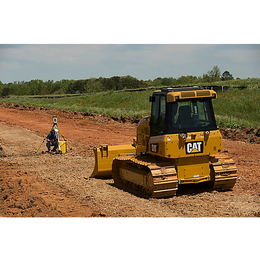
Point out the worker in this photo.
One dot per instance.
(52, 141)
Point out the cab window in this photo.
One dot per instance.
(192, 115)
(158, 115)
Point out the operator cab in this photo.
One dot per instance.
(182, 110)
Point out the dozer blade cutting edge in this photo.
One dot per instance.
(104, 156)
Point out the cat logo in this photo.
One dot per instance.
(194, 147)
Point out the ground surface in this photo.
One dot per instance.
(45, 185)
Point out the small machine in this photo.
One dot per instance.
(178, 144)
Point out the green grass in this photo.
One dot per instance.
(233, 109)
(236, 108)
(110, 103)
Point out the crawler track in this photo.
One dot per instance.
(225, 172)
(154, 177)
(158, 178)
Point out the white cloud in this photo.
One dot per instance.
(145, 61)
(52, 53)
(5, 66)
(151, 55)
(241, 54)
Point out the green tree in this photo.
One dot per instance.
(5, 91)
(215, 73)
(212, 75)
(55, 87)
(189, 79)
(157, 81)
(226, 76)
(76, 87)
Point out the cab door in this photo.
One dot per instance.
(158, 115)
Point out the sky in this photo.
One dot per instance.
(24, 62)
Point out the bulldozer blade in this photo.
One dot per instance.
(104, 157)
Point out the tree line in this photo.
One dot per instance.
(92, 85)
(213, 75)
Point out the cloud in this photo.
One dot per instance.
(144, 61)
(39, 53)
(96, 55)
(157, 55)
(241, 53)
(7, 65)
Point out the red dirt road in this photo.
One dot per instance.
(44, 185)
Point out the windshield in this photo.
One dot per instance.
(192, 115)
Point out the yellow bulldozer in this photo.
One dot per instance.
(178, 143)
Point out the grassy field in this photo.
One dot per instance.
(250, 82)
(110, 103)
(233, 108)
(236, 108)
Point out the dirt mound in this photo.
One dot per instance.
(68, 113)
(244, 134)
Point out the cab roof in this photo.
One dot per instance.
(174, 94)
